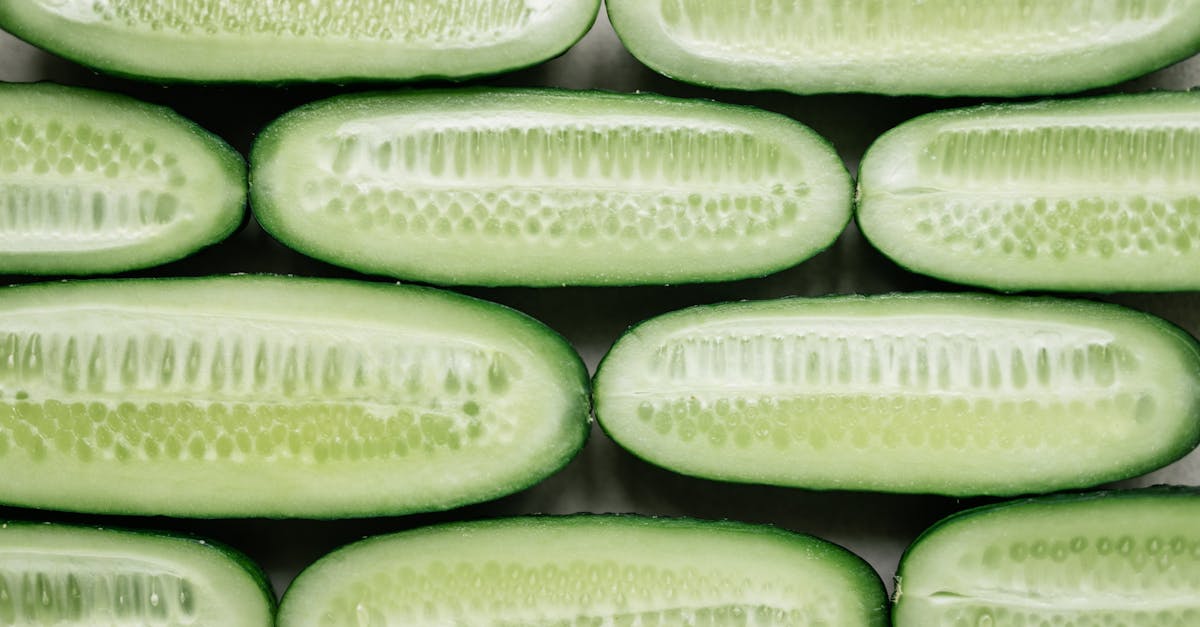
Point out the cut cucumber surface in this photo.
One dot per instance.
(947, 394)
(92, 183)
(1118, 558)
(588, 570)
(64, 575)
(281, 397)
(1087, 195)
(931, 47)
(548, 187)
(301, 40)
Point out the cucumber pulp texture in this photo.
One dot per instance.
(302, 40)
(1081, 561)
(93, 182)
(934, 47)
(61, 575)
(590, 570)
(260, 396)
(542, 187)
(926, 393)
(1099, 195)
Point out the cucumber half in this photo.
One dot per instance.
(92, 183)
(282, 397)
(1088, 195)
(1118, 558)
(548, 187)
(301, 40)
(588, 570)
(65, 575)
(931, 47)
(948, 394)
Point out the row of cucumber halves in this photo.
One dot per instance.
(544, 187)
(1115, 558)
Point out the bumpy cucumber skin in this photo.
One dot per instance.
(49, 42)
(232, 215)
(874, 161)
(271, 214)
(869, 586)
(1188, 351)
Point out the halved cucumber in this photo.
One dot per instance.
(933, 47)
(588, 570)
(92, 182)
(269, 396)
(949, 394)
(1117, 558)
(1090, 195)
(65, 575)
(301, 40)
(548, 187)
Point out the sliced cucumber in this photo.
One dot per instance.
(1088, 195)
(548, 187)
(64, 575)
(588, 570)
(301, 40)
(933, 47)
(949, 394)
(1118, 558)
(92, 183)
(268, 396)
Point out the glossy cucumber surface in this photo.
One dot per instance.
(588, 570)
(929, 393)
(1098, 195)
(548, 187)
(301, 40)
(281, 397)
(930, 47)
(92, 183)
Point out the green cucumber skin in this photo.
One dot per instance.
(228, 207)
(573, 539)
(1117, 279)
(482, 65)
(271, 206)
(1184, 345)
(324, 300)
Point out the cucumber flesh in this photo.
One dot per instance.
(587, 570)
(266, 396)
(301, 40)
(92, 183)
(1121, 558)
(949, 394)
(1089, 195)
(64, 575)
(547, 187)
(931, 47)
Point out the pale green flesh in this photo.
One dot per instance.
(546, 187)
(955, 395)
(1091, 562)
(587, 571)
(259, 396)
(1099, 195)
(935, 47)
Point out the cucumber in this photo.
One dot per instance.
(67, 575)
(1096, 195)
(931, 47)
(547, 187)
(927, 393)
(587, 570)
(92, 182)
(301, 40)
(276, 397)
(1117, 558)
